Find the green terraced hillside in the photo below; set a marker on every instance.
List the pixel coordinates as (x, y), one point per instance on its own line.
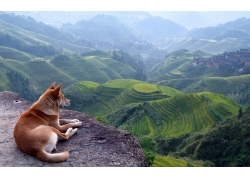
(95, 68)
(177, 65)
(234, 87)
(151, 110)
(167, 161)
(112, 95)
(10, 53)
(40, 74)
(4, 81)
(153, 113)
(174, 116)
(211, 46)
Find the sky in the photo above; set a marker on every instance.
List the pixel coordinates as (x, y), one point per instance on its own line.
(191, 13)
(123, 5)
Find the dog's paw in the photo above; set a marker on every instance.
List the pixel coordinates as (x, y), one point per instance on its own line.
(73, 132)
(77, 124)
(75, 120)
(69, 130)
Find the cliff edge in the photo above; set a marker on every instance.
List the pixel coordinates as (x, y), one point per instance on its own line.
(94, 144)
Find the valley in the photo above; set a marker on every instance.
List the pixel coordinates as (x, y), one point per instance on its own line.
(167, 88)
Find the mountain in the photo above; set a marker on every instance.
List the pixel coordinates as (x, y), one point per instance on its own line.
(178, 70)
(226, 37)
(64, 17)
(29, 24)
(148, 109)
(40, 72)
(225, 145)
(154, 114)
(234, 87)
(112, 95)
(155, 28)
(178, 65)
(26, 35)
(102, 30)
(238, 28)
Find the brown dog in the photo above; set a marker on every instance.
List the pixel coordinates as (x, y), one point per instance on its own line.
(37, 130)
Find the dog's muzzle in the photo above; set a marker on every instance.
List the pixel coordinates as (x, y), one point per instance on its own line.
(64, 103)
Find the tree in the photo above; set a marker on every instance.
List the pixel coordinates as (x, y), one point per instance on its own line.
(239, 113)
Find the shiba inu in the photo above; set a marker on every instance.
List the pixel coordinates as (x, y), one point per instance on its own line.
(38, 128)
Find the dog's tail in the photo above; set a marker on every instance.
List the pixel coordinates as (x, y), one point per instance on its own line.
(54, 158)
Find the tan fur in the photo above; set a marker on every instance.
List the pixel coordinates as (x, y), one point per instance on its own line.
(37, 130)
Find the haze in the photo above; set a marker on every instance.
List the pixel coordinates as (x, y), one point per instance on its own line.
(189, 19)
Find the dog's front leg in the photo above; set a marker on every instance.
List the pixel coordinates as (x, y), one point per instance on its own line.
(65, 127)
(66, 121)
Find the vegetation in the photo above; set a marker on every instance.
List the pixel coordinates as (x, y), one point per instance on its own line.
(10, 53)
(20, 85)
(115, 94)
(68, 69)
(177, 65)
(162, 118)
(234, 87)
(182, 120)
(224, 145)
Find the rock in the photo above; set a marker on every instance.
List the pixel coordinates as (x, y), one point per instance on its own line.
(94, 144)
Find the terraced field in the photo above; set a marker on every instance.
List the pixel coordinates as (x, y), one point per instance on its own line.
(189, 113)
(167, 161)
(176, 116)
(234, 87)
(169, 113)
(3, 81)
(10, 53)
(95, 68)
(117, 93)
(176, 66)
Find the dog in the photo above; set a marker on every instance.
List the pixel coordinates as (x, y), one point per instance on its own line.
(38, 129)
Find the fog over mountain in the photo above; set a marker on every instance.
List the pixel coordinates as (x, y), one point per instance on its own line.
(189, 19)
(198, 19)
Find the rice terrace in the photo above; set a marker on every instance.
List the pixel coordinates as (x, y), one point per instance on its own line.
(181, 89)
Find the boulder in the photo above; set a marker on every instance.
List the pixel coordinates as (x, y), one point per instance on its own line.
(94, 144)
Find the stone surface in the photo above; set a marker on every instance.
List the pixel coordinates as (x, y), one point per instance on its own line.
(95, 144)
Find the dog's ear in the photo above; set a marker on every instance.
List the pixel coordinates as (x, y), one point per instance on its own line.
(52, 86)
(57, 89)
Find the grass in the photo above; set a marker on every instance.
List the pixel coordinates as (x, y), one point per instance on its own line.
(146, 88)
(210, 46)
(10, 53)
(43, 72)
(234, 87)
(189, 113)
(114, 94)
(105, 69)
(169, 161)
(177, 113)
(166, 161)
(121, 83)
(4, 82)
(175, 66)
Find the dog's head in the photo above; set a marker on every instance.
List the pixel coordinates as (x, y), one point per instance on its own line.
(58, 95)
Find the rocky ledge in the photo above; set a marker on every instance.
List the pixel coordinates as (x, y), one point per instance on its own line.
(95, 144)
